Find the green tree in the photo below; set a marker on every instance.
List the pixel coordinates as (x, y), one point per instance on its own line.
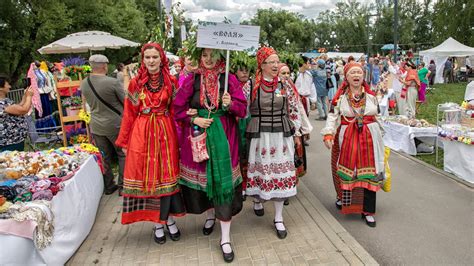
(278, 26)
(454, 18)
(25, 26)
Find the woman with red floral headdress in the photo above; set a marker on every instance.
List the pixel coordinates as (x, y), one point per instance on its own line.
(148, 137)
(305, 129)
(213, 185)
(273, 130)
(355, 137)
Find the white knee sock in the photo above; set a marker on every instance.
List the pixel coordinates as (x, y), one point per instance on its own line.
(257, 205)
(172, 228)
(279, 215)
(211, 216)
(159, 231)
(225, 236)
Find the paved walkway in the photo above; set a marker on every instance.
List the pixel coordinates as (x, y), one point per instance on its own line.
(314, 237)
(427, 218)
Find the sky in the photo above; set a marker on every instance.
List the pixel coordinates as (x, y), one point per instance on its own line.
(240, 10)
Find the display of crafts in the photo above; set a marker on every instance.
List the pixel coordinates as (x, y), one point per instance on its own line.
(412, 122)
(30, 176)
(458, 133)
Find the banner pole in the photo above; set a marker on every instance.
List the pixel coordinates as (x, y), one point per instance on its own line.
(227, 61)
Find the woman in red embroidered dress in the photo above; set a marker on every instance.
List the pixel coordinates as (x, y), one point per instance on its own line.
(355, 137)
(148, 138)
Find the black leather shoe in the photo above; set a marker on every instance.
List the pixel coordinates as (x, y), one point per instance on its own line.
(338, 206)
(159, 240)
(111, 190)
(371, 224)
(207, 231)
(244, 197)
(280, 233)
(120, 189)
(260, 212)
(175, 236)
(228, 257)
(286, 202)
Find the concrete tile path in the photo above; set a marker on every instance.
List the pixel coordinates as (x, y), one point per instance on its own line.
(314, 237)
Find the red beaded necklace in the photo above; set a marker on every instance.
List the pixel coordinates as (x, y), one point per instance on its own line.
(155, 82)
(269, 86)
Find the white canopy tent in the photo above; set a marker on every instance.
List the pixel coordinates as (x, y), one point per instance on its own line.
(441, 53)
(83, 42)
(345, 55)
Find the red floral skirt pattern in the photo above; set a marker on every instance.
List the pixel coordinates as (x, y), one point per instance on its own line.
(271, 171)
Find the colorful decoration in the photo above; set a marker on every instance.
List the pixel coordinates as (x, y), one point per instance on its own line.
(84, 115)
(456, 136)
(71, 101)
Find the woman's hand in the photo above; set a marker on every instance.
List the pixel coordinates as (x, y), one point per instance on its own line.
(203, 122)
(192, 112)
(297, 141)
(226, 100)
(329, 143)
(29, 92)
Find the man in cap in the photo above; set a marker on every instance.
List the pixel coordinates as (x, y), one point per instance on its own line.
(105, 97)
(320, 76)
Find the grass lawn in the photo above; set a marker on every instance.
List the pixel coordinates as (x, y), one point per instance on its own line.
(442, 93)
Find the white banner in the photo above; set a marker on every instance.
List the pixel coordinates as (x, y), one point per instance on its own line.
(228, 36)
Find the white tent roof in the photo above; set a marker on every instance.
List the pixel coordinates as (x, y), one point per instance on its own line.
(450, 47)
(345, 55)
(81, 42)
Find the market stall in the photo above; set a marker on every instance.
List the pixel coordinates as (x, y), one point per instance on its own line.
(458, 142)
(400, 133)
(51, 206)
(440, 54)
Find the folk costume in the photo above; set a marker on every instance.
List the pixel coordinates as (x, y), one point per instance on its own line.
(305, 129)
(244, 143)
(410, 92)
(275, 119)
(358, 151)
(150, 191)
(214, 183)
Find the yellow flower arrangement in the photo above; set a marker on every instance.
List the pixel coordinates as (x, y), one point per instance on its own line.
(83, 115)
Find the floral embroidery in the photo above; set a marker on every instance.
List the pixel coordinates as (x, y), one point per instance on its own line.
(264, 151)
(268, 185)
(271, 169)
(273, 151)
(285, 149)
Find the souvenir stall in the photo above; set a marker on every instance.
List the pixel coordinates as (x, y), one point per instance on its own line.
(44, 213)
(400, 133)
(73, 116)
(457, 136)
(43, 83)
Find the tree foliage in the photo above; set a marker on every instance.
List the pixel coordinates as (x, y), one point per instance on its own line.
(27, 25)
(421, 24)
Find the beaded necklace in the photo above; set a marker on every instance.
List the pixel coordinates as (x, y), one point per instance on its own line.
(269, 86)
(155, 82)
(357, 104)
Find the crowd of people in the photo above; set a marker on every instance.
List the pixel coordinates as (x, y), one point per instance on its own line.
(192, 144)
(188, 143)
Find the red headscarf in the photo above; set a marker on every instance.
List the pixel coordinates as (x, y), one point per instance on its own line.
(210, 82)
(262, 54)
(143, 75)
(345, 84)
(288, 81)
